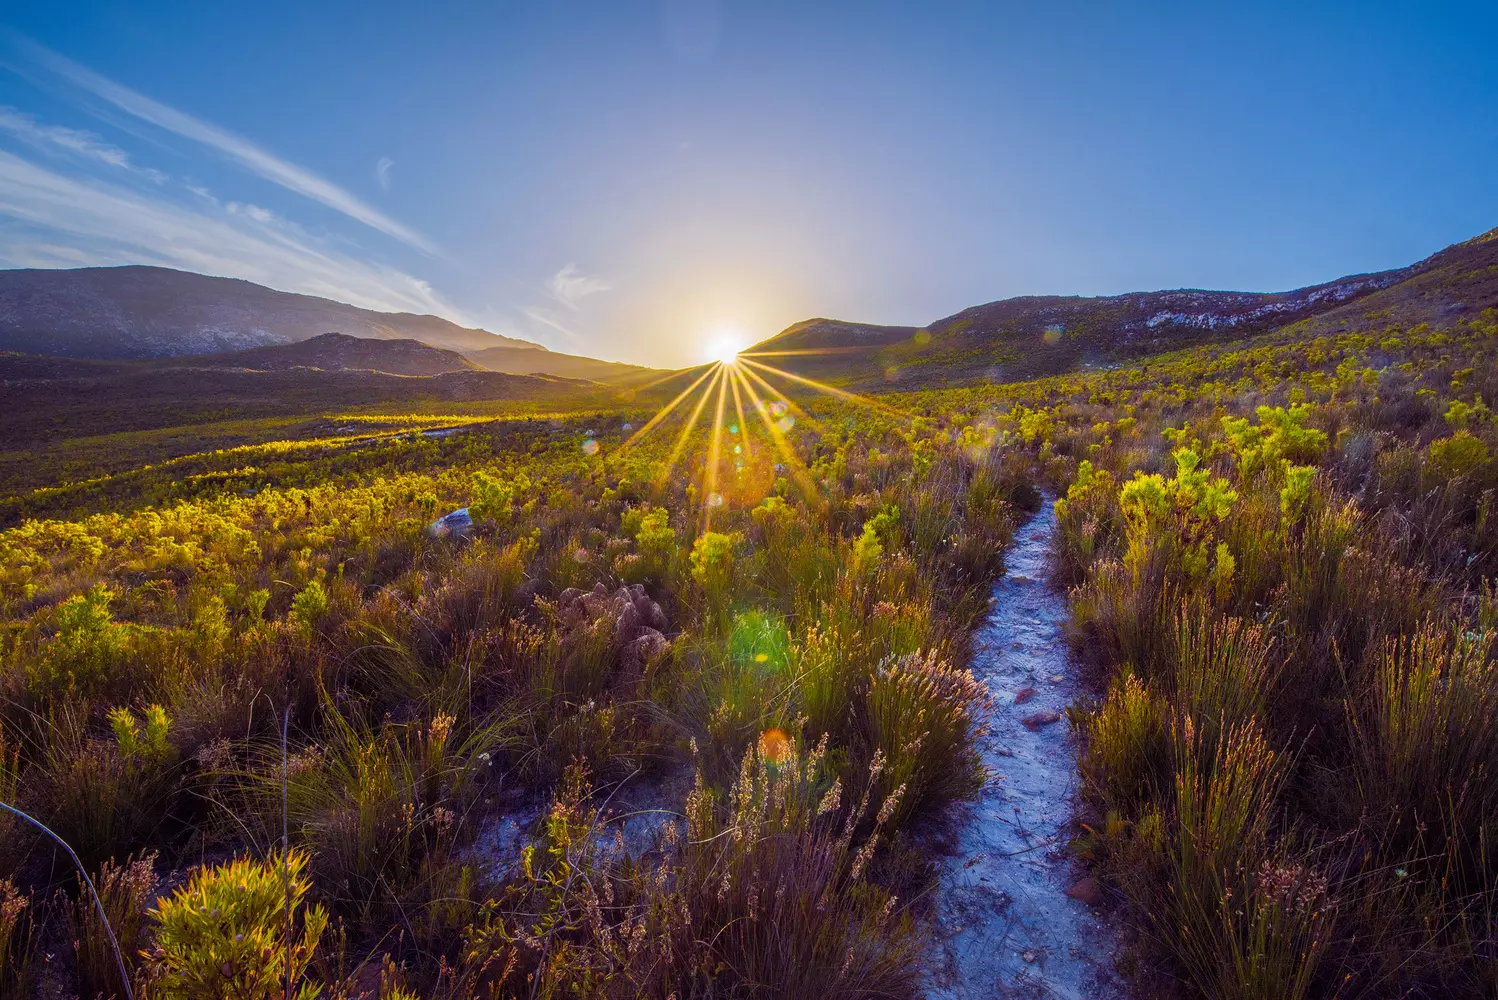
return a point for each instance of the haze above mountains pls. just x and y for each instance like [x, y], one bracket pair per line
[145, 318]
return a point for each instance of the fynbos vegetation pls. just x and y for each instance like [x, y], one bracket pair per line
[614, 702]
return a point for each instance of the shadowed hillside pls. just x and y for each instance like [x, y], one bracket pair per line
[340, 352]
[151, 312]
[525, 361]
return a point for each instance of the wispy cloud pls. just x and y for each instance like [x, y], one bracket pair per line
[548, 319]
[242, 151]
[48, 219]
[77, 142]
[569, 286]
[382, 172]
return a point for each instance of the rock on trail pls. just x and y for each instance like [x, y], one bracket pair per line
[1013, 914]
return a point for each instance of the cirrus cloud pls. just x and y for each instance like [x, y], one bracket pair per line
[569, 286]
[49, 219]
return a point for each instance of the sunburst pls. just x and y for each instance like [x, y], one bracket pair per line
[746, 380]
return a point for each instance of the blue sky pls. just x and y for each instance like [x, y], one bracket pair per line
[636, 180]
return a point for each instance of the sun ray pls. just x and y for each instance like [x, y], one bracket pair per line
[690, 425]
[669, 376]
[790, 404]
[738, 407]
[714, 450]
[777, 438]
[851, 397]
[666, 410]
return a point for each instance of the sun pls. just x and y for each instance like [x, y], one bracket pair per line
[725, 348]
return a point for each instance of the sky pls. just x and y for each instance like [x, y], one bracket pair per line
[645, 180]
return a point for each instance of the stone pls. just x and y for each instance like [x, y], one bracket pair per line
[458, 524]
[1035, 722]
[1085, 890]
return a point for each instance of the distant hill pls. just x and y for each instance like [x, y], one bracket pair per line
[340, 352]
[1025, 337]
[153, 312]
[521, 361]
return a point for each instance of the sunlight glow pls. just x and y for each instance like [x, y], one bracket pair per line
[725, 347]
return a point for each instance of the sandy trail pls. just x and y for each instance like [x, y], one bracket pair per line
[1005, 925]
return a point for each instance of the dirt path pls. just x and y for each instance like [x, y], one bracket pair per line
[1006, 927]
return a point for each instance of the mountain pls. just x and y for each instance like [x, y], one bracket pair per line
[152, 312]
[340, 352]
[523, 361]
[1030, 336]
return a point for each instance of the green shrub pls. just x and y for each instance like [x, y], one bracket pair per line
[310, 605]
[238, 930]
[1459, 455]
[1127, 760]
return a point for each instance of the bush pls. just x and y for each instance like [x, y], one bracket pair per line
[126, 891]
[1127, 761]
[19, 943]
[924, 716]
[238, 929]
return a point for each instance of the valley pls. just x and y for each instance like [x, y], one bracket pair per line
[1065, 647]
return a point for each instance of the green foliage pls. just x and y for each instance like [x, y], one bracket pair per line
[239, 929]
[139, 746]
[712, 562]
[494, 497]
[1461, 454]
[310, 605]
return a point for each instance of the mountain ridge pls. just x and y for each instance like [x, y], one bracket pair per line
[341, 352]
[1031, 335]
[140, 311]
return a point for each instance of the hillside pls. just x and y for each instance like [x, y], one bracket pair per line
[340, 352]
[48, 400]
[523, 361]
[152, 312]
[1030, 336]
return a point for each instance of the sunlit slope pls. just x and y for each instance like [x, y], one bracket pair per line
[1032, 336]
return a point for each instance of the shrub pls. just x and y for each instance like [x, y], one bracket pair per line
[1459, 455]
[924, 715]
[19, 943]
[126, 891]
[103, 798]
[1127, 762]
[1427, 740]
[1224, 673]
[494, 497]
[310, 605]
[1245, 921]
[238, 929]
